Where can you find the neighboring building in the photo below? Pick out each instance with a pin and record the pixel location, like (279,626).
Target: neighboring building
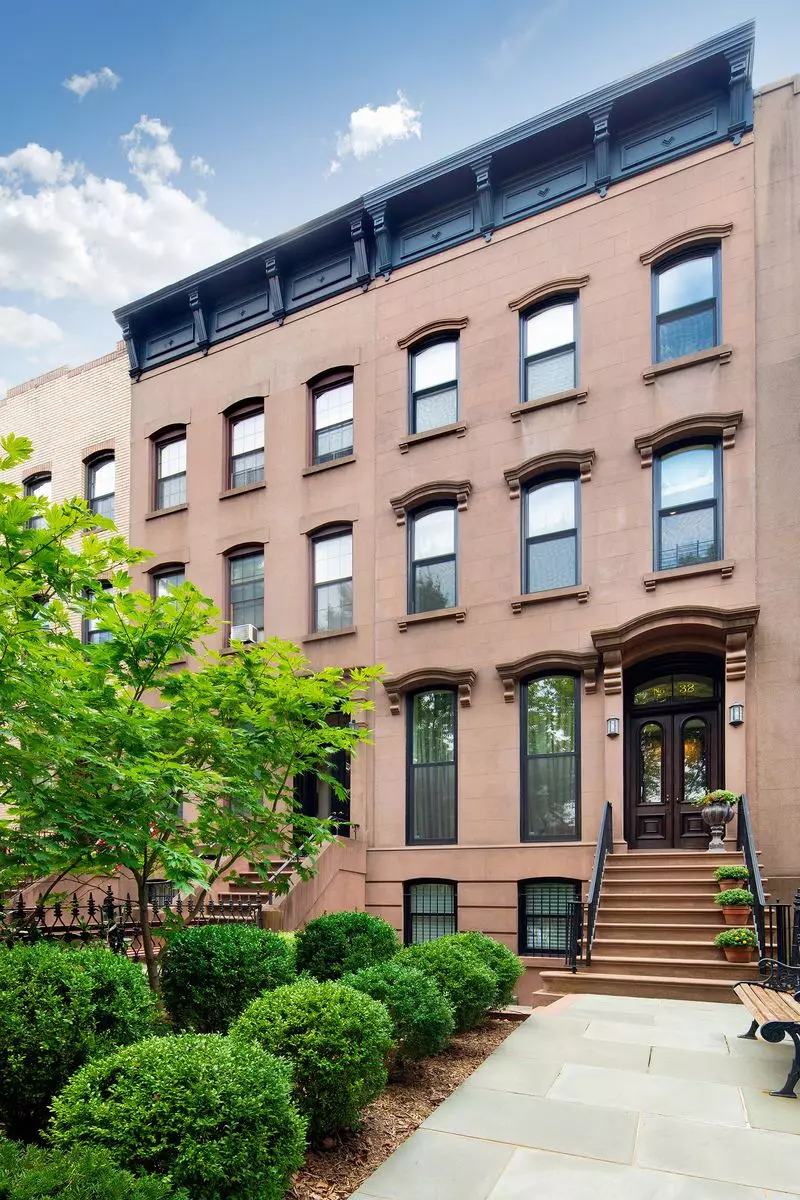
(495,426)
(78,419)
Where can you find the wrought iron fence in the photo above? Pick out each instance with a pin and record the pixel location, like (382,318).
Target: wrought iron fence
(116,921)
(782,932)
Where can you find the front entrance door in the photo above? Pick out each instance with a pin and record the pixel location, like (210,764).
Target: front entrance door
(673,755)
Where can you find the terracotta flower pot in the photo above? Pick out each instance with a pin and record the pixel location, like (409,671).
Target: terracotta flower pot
(726,884)
(738,954)
(737,914)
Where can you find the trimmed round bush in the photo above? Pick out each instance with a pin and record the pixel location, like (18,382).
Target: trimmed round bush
(33,1173)
(422,1016)
(337,943)
(210,973)
(215,1115)
(60,1007)
(336,1039)
(469,985)
(498,958)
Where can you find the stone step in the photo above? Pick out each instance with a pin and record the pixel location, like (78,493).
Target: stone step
(655,870)
(588,981)
(668,885)
(643,931)
(657,945)
(717,859)
(709,967)
(657,902)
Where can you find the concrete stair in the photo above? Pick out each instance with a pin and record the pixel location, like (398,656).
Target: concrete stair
(654,936)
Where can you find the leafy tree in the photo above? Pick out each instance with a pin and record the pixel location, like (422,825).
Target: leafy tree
(112,756)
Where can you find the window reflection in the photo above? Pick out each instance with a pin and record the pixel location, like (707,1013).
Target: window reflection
(695,760)
(651,759)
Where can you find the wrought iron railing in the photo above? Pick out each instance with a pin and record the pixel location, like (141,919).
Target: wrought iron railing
(782,932)
(582,917)
(747,845)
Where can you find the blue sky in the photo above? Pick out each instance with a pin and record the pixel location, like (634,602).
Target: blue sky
(98,205)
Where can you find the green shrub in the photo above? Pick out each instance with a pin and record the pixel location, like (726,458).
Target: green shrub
(468,984)
(734,897)
(337,943)
(733,872)
(498,958)
(33,1173)
(210,973)
(337,1040)
(736,937)
(422,1016)
(58,1008)
(215,1115)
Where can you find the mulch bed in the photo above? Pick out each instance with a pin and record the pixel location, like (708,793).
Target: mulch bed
(337,1169)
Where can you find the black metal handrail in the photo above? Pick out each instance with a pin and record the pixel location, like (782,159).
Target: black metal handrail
(574,934)
(747,845)
(605,844)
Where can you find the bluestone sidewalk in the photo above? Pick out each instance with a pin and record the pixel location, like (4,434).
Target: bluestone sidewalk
(615,1098)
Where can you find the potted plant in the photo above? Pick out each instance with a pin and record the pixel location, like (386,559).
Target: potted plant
(735,904)
(717,810)
(738,944)
(732,876)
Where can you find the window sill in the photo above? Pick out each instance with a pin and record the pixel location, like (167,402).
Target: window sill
(720,354)
(328,466)
(723,567)
(579,593)
(239,491)
(324,634)
(577,394)
(165,512)
(459,428)
(438,614)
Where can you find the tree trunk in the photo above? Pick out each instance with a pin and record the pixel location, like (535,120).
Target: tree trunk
(147,936)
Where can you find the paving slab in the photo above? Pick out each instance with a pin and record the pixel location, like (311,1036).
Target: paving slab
(442,1167)
(718,1103)
(755,1157)
(769,1052)
(555,1046)
(772,1112)
(530,1077)
(715,1068)
(693,1037)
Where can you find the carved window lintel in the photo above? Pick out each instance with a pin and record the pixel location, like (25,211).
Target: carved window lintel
(580,461)
(721,425)
(457,491)
(554,287)
(585,662)
(431,329)
(681,241)
(461,681)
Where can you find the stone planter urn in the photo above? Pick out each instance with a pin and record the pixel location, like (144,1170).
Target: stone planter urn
(717,816)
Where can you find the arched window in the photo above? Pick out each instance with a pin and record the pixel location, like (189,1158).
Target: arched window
(429,910)
(246,444)
(433,383)
(165,577)
(544,906)
(432,582)
(431,770)
(549,345)
(169,461)
(551,759)
(550,534)
(332,587)
(686,308)
(687,482)
(332,417)
(40,486)
(101,484)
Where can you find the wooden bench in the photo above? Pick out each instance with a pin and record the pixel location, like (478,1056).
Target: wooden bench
(774,1004)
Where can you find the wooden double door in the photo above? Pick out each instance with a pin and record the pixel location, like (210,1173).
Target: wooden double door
(674,754)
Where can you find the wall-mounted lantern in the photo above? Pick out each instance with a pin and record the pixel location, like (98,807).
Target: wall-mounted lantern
(612,726)
(736,714)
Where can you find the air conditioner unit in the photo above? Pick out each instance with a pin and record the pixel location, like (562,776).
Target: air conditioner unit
(244,633)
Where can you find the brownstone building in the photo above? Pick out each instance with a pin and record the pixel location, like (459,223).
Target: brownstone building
(520,427)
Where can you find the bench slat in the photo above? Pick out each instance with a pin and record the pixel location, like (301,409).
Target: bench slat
(767,1005)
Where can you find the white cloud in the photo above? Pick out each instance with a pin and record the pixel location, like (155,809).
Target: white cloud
(24,330)
(75,234)
(201,167)
(35,163)
(371,129)
(81,85)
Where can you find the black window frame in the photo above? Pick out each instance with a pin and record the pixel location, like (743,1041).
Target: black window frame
(324,535)
(422,393)
(28,486)
(534,485)
(413,563)
(330,383)
(522,915)
(89,636)
(410,764)
(408,887)
(524,756)
(161,572)
(91,466)
(231,556)
(160,442)
(244,410)
(659,510)
(524,359)
(657,318)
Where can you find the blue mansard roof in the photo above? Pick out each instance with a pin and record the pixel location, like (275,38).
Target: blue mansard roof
(694,100)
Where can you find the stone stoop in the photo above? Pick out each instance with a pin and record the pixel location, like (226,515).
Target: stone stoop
(656,922)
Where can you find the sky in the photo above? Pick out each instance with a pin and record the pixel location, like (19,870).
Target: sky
(141,142)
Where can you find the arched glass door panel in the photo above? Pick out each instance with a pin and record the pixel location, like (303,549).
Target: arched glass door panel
(695,759)
(651,763)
